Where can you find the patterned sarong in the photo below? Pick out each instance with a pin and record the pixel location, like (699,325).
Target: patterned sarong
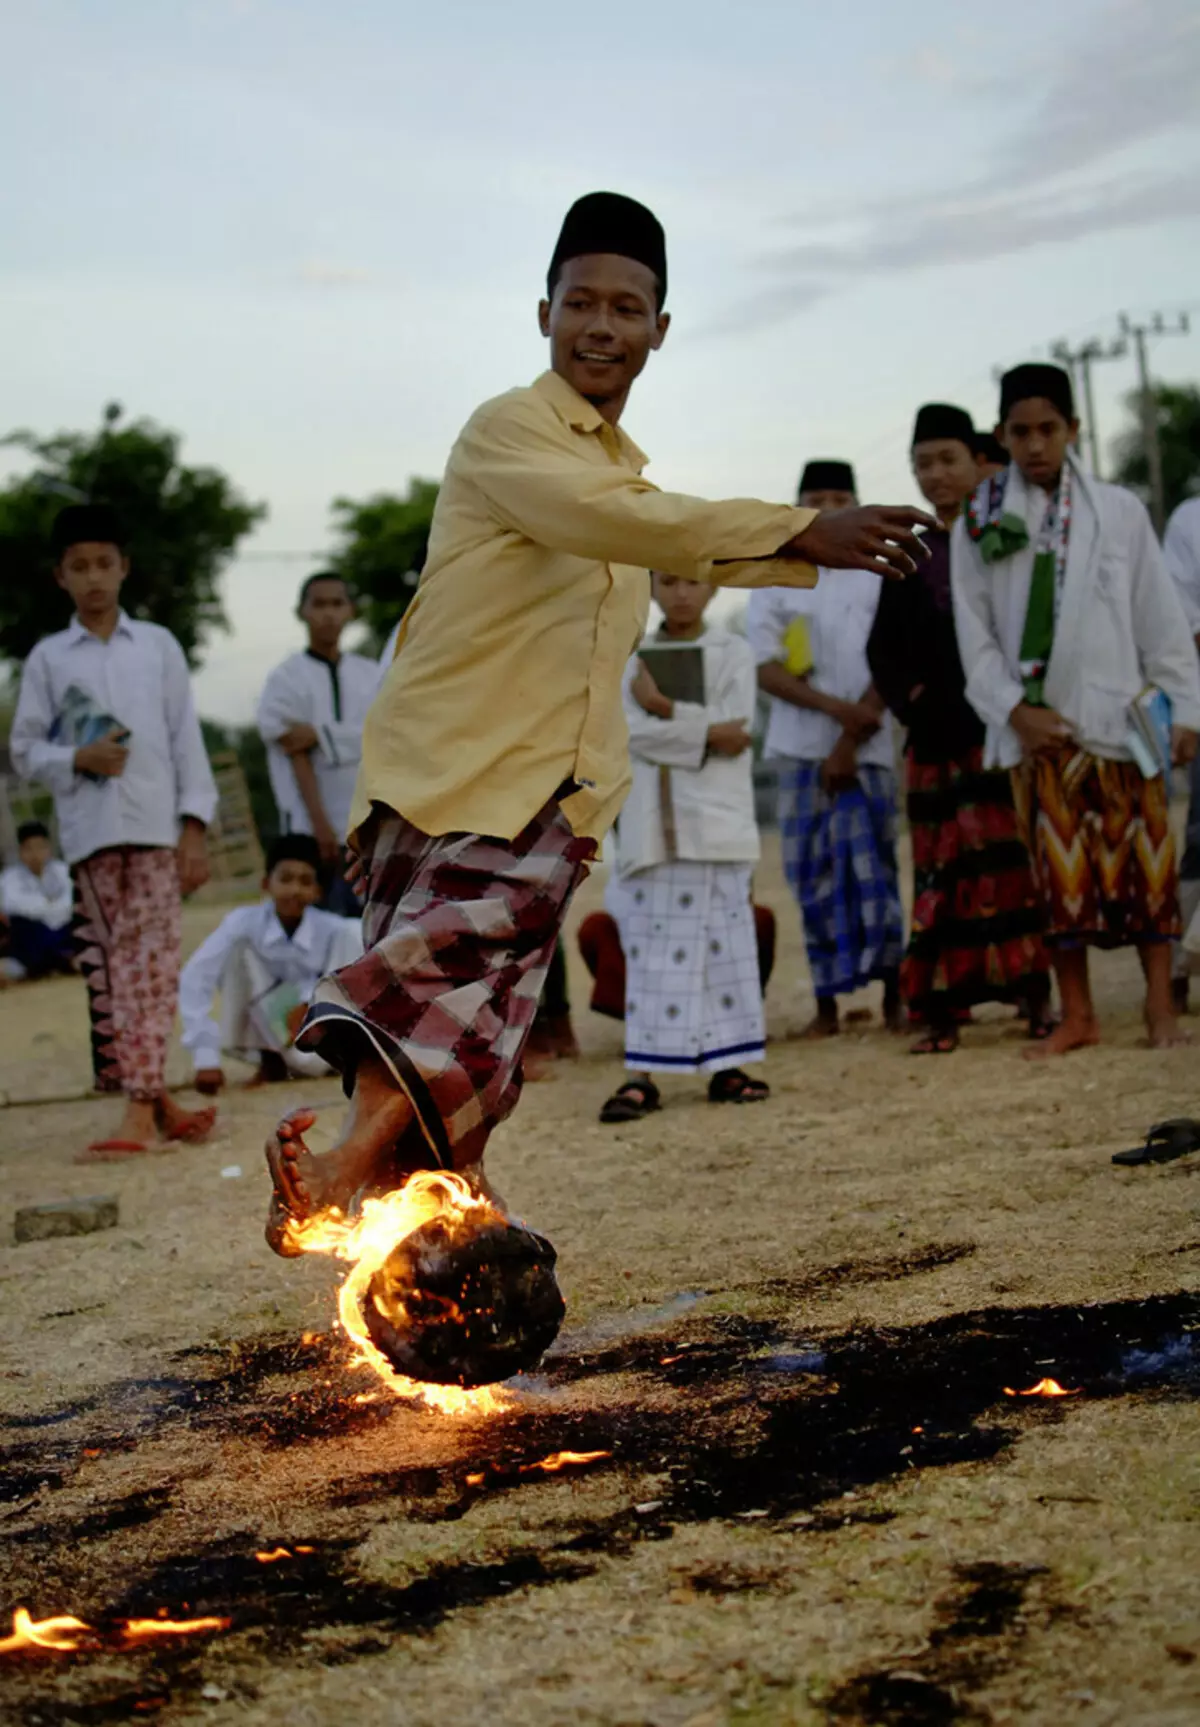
(1103,855)
(127,922)
(459,931)
(839,854)
(693,996)
(977,915)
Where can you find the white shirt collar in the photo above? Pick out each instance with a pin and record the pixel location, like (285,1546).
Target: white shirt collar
(78,631)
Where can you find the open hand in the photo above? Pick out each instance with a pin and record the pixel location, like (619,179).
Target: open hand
(106,757)
(328,844)
(1183,746)
(192,858)
(356,875)
(839,770)
(298,739)
(1039,729)
(728,738)
(870,537)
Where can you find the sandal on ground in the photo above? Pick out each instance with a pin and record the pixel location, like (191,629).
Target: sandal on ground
(1165,1141)
(631,1101)
(941,1042)
(116,1150)
(1040,1029)
(734,1086)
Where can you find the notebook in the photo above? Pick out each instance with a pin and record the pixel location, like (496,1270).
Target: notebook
(677,668)
(81,722)
(1148,736)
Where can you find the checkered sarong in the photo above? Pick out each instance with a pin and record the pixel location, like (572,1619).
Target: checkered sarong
(459,931)
(839,854)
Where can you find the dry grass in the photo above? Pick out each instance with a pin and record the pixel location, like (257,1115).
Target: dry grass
(863,1160)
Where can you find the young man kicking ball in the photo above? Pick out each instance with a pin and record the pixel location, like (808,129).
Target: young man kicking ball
(1065,612)
(496,755)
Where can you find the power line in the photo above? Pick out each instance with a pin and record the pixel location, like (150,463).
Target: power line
(1138,334)
(1079,362)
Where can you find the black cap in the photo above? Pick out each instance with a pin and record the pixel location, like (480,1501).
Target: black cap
(988,448)
(610,222)
(81,524)
(1036,379)
(826,476)
(943,420)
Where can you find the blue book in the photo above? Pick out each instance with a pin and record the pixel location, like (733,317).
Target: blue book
(81,722)
(1148,736)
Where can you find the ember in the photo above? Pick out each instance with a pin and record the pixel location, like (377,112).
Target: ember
(1043,1388)
(278,1553)
(392,1310)
(65,1632)
(563,1460)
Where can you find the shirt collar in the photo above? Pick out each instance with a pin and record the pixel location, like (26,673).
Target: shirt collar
(302,935)
(78,631)
(581,416)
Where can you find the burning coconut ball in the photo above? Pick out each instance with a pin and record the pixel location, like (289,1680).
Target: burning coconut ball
(464,1302)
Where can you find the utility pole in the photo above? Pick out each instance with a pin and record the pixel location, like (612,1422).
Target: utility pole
(1079,362)
(1137,334)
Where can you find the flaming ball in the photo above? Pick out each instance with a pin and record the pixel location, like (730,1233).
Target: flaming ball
(457,1303)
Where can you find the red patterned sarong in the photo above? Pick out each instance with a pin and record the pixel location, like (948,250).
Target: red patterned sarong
(1103,854)
(459,931)
(127,923)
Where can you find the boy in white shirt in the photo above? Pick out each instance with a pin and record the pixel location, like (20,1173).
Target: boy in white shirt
(1064,612)
(105,720)
(265,960)
(832,735)
(686,845)
(37,902)
(310,716)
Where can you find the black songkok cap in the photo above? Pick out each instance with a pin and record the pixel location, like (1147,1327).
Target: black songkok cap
(80,523)
(610,222)
(943,420)
(827,477)
(989,449)
(1035,379)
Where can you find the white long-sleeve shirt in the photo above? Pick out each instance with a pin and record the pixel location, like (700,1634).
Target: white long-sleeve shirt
(332,697)
(140,677)
(1181,548)
(711,797)
(839,612)
(321,943)
(1120,626)
(48,898)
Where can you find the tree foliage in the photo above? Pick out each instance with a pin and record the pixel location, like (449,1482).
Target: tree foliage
(184,525)
(1178,408)
(383,543)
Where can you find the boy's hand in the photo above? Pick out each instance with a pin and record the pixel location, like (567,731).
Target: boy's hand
(294,1019)
(329,845)
(873,537)
(208,1081)
(728,738)
(647,694)
(191,856)
(1039,729)
(1183,746)
(839,770)
(298,739)
(859,719)
(107,757)
(356,875)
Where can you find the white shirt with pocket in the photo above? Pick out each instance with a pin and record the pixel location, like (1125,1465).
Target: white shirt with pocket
(332,696)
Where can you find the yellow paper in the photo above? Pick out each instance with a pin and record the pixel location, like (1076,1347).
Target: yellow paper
(797,642)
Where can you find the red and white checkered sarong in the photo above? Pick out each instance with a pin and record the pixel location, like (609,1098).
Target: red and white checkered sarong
(459,931)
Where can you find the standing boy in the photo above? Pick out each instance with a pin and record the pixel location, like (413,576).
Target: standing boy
(686,848)
(1065,612)
(310,716)
(977,916)
(132,805)
(37,903)
(497,754)
(265,960)
(1181,546)
(832,735)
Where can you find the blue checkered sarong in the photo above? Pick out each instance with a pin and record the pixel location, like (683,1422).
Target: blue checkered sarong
(839,854)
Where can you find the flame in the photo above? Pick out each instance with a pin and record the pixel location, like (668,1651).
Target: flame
(65,1632)
(366,1243)
(277,1553)
(1043,1388)
(563,1460)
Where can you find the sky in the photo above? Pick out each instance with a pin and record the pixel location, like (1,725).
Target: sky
(312,237)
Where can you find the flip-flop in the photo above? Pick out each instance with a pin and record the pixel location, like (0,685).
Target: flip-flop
(113,1150)
(631,1101)
(734,1086)
(936,1043)
(1165,1141)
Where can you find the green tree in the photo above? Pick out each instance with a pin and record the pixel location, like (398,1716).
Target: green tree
(383,542)
(184,525)
(1178,408)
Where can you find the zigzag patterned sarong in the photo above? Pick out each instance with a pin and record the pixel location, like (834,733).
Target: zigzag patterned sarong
(1104,861)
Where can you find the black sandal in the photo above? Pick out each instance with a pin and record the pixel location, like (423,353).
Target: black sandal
(1165,1141)
(734,1086)
(631,1101)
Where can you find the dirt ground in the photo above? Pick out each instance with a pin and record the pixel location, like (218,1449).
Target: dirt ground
(790,1329)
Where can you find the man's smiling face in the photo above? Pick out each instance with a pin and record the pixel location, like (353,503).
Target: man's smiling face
(603,323)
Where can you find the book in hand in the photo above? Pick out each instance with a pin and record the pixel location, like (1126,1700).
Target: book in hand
(677,668)
(1148,734)
(81,722)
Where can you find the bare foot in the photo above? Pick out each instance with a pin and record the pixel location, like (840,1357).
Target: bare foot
(1165,1032)
(134,1137)
(189,1125)
(1071,1034)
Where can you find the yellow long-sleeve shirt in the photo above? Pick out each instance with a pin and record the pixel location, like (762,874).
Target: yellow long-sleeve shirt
(507,675)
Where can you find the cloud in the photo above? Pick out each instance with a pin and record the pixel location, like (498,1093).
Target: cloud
(1119,87)
(320,274)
